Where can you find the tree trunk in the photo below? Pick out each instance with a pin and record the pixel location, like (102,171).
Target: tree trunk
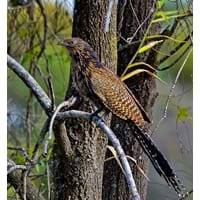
(142,86)
(78,169)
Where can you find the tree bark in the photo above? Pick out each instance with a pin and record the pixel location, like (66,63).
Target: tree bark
(78,170)
(142,86)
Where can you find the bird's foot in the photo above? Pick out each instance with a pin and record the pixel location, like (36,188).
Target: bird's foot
(95,114)
(96,118)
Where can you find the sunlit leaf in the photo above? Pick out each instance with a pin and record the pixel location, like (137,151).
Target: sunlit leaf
(160,3)
(166,13)
(165,36)
(129,157)
(139,168)
(149,46)
(137,64)
(169,17)
(26,58)
(133,73)
(182,113)
(115,156)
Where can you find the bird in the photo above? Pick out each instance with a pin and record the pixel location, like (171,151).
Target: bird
(96,82)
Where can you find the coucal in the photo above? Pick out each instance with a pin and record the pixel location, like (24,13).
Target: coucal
(98,83)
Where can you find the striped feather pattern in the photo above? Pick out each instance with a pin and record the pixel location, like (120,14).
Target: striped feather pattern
(114,94)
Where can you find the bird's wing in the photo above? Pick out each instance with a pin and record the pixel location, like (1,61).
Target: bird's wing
(144,114)
(114,94)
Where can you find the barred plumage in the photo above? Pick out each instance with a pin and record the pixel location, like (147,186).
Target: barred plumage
(105,89)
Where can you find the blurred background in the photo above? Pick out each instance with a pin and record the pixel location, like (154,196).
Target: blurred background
(25,118)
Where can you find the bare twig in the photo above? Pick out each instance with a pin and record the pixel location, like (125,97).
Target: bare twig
(15,179)
(40,140)
(15,167)
(25,154)
(67,104)
(115,142)
(25,184)
(48,181)
(50,84)
(172,91)
(130,39)
(120,15)
(25,5)
(43,44)
(28,126)
(39,93)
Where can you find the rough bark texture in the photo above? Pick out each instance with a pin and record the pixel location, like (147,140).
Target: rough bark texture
(143,87)
(78,170)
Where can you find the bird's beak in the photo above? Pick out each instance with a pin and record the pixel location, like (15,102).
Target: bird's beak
(61,42)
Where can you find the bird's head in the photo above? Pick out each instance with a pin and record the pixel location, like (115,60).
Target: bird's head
(81,50)
(76,46)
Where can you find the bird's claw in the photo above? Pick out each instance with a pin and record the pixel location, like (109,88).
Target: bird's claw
(94,117)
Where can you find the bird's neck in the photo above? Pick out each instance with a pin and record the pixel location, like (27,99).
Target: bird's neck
(88,61)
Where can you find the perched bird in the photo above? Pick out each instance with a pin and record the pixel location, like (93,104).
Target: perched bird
(98,83)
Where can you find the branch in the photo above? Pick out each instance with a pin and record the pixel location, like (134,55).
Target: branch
(45,102)
(31,83)
(15,179)
(65,104)
(172,91)
(43,42)
(115,142)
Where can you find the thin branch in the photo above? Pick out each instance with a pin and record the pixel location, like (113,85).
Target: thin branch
(15,167)
(67,104)
(25,5)
(15,179)
(51,90)
(120,15)
(130,39)
(31,83)
(48,181)
(43,43)
(172,91)
(21,149)
(25,184)
(41,137)
(115,142)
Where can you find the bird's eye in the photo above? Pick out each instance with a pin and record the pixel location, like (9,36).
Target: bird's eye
(74,42)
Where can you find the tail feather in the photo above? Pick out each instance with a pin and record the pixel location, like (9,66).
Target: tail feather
(158,160)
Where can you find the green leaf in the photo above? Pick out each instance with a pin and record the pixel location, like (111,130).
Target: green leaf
(160,3)
(137,64)
(149,46)
(165,37)
(170,17)
(26,58)
(133,73)
(183,112)
(166,13)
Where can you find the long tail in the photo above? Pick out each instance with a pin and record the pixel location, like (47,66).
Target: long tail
(159,162)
